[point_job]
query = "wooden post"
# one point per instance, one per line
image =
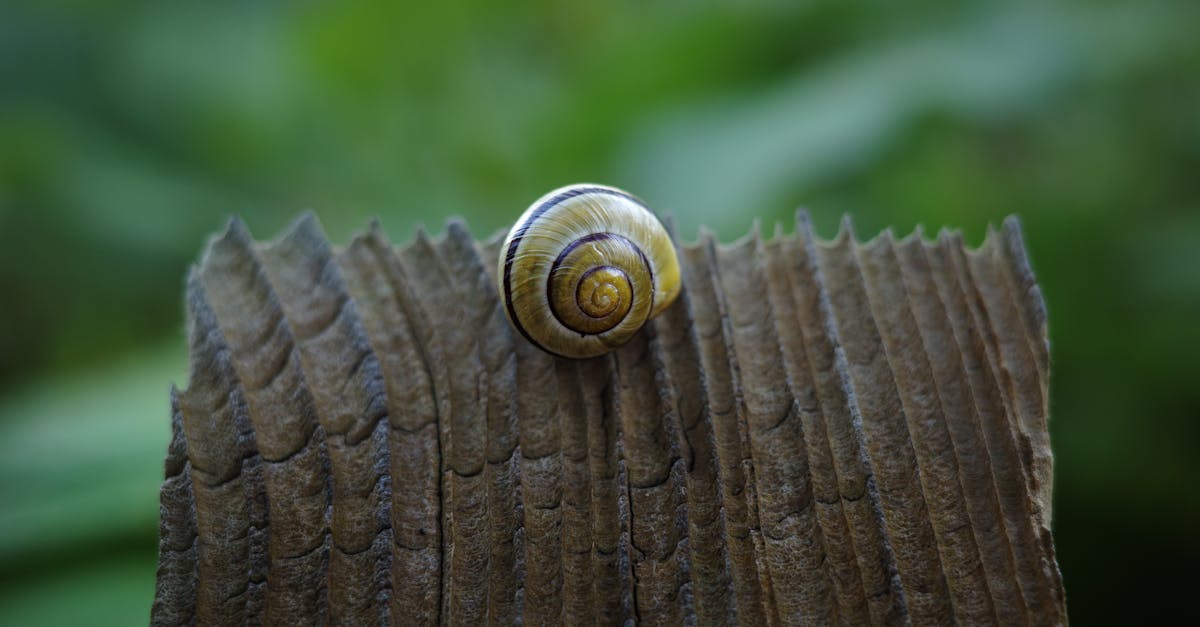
(815, 432)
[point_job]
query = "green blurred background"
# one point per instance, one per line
(131, 131)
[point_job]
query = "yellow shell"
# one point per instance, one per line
(584, 268)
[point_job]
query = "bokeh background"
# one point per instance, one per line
(131, 131)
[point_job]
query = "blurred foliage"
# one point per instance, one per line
(130, 131)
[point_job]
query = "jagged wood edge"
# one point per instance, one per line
(727, 465)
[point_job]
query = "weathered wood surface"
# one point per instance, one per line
(815, 433)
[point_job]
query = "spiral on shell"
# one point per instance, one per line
(584, 268)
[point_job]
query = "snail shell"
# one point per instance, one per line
(584, 268)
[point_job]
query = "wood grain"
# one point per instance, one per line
(814, 433)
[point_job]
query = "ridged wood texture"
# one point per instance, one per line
(815, 433)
